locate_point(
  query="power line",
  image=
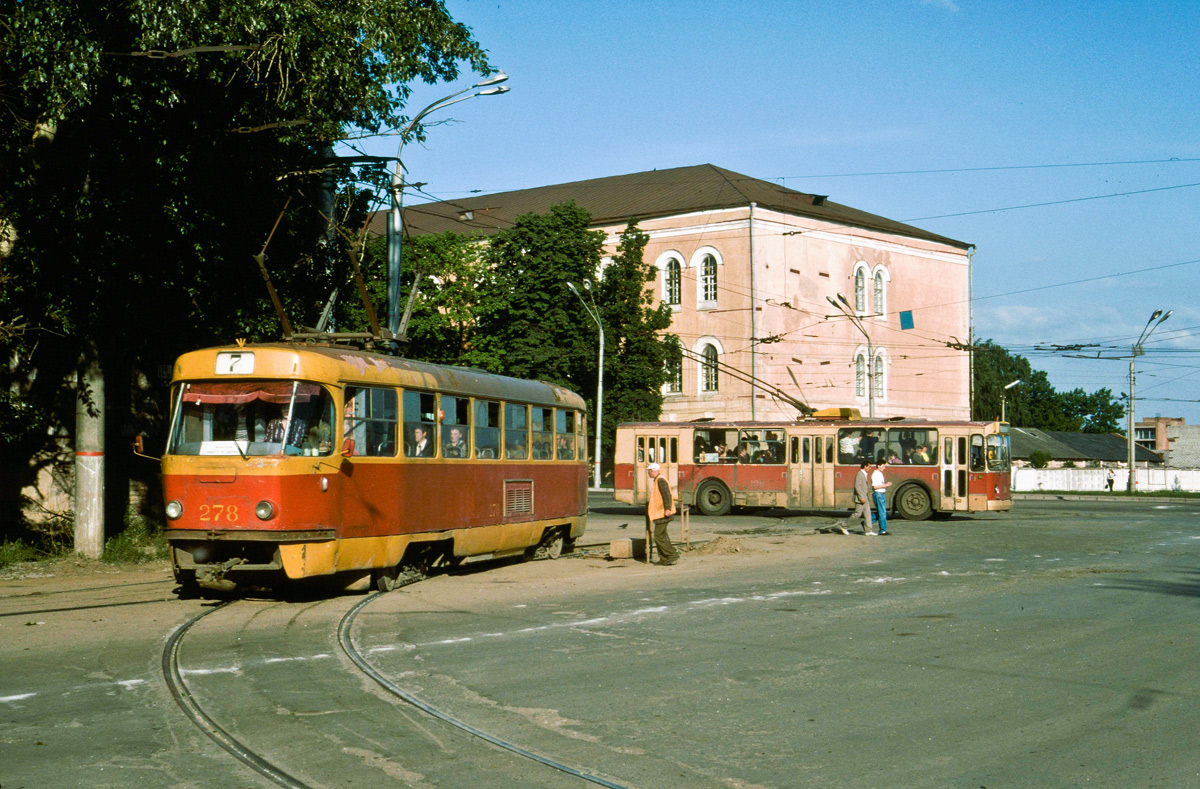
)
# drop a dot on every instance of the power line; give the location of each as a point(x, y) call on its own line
point(1052, 202)
point(992, 169)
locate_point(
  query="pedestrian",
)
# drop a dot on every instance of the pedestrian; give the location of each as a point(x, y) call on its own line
point(659, 508)
point(862, 499)
point(1110, 479)
point(879, 487)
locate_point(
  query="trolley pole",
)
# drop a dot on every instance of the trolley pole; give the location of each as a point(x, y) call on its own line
point(594, 312)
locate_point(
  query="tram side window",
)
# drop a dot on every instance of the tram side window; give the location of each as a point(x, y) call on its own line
point(516, 431)
point(369, 420)
point(542, 425)
point(564, 429)
point(311, 430)
point(912, 447)
point(420, 421)
point(581, 432)
point(456, 424)
point(641, 449)
point(487, 430)
point(976, 452)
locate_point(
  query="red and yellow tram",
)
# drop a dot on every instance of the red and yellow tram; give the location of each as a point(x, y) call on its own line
point(936, 467)
point(289, 461)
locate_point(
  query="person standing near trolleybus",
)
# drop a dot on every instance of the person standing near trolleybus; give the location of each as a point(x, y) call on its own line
point(879, 486)
point(660, 506)
point(862, 499)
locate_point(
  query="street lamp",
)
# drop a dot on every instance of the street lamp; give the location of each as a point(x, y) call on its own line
point(843, 307)
point(394, 225)
point(594, 312)
point(1137, 351)
point(1003, 394)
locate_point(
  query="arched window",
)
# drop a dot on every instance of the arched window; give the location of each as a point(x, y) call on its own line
point(880, 372)
point(708, 369)
point(674, 373)
point(860, 375)
point(672, 283)
point(860, 290)
point(708, 279)
point(880, 305)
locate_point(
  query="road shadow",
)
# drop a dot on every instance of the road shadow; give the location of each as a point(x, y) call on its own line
point(1189, 586)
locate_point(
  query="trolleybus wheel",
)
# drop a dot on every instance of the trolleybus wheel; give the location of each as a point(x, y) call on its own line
point(713, 498)
point(551, 546)
point(912, 503)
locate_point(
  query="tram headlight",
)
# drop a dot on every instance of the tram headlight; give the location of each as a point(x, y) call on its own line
point(174, 510)
point(265, 510)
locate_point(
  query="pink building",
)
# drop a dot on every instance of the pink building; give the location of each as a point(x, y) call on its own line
point(749, 268)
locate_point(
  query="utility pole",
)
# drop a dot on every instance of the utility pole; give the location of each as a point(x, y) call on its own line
point(1130, 485)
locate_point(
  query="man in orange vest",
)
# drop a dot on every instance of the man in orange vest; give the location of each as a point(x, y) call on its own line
point(659, 509)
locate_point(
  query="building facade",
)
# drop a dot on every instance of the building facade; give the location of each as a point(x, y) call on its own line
point(762, 281)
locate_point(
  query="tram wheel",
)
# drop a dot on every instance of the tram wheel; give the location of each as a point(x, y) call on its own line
point(386, 577)
point(712, 498)
point(189, 587)
point(912, 503)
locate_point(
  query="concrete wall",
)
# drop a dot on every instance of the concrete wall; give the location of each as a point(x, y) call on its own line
point(1032, 480)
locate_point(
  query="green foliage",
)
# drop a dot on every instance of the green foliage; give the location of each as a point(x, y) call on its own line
point(1034, 402)
point(136, 189)
point(1040, 458)
point(15, 551)
point(139, 542)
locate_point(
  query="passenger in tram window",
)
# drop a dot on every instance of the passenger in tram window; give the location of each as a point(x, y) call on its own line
point(514, 448)
point(565, 450)
point(421, 447)
point(456, 447)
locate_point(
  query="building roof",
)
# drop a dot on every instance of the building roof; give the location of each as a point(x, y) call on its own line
point(1062, 445)
point(656, 193)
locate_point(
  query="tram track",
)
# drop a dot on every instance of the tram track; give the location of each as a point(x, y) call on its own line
point(277, 773)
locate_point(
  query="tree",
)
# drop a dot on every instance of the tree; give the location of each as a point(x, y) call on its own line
point(637, 354)
point(136, 188)
point(1035, 403)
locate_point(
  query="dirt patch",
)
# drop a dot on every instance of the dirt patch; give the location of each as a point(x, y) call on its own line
point(718, 547)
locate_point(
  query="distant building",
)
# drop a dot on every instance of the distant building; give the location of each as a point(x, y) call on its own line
point(1152, 433)
point(748, 268)
point(1077, 450)
point(1183, 445)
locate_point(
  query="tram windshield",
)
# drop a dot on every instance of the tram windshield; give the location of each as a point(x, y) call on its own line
point(252, 418)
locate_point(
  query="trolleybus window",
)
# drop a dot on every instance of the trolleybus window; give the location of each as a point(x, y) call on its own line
point(487, 429)
point(760, 446)
point(543, 432)
point(828, 448)
point(564, 428)
point(516, 431)
point(420, 413)
point(805, 457)
point(714, 445)
point(906, 447)
point(976, 452)
point(369, 420)
point(998, 453)
point(456, 418)
point(253, 418)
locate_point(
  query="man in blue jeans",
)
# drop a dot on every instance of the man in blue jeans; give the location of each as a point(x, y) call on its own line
point(879, 488)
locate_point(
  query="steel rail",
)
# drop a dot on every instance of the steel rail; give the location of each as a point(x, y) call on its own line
point(183, 697)
point(356, 656)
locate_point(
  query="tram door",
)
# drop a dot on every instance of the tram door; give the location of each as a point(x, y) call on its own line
point(660, 449)
point(954, 473)
point(800, 472)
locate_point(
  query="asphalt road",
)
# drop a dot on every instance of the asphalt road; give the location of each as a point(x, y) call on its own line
point(1055, 646)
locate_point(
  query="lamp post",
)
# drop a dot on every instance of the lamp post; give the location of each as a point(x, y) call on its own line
point(594, 312)
point(843, 307)
point(1003, 395)
point(394, 225)
point(1137, 351)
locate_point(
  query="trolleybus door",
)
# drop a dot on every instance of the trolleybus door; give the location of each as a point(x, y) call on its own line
point(822, 472)
point(800, 472)
point(660, 449)
point(977, 486)
point(954, 473)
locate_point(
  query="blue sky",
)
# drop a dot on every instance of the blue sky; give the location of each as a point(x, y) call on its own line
point(799, 91)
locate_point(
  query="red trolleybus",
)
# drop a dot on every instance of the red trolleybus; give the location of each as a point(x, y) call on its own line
point(936, 468)
point(290, 461)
